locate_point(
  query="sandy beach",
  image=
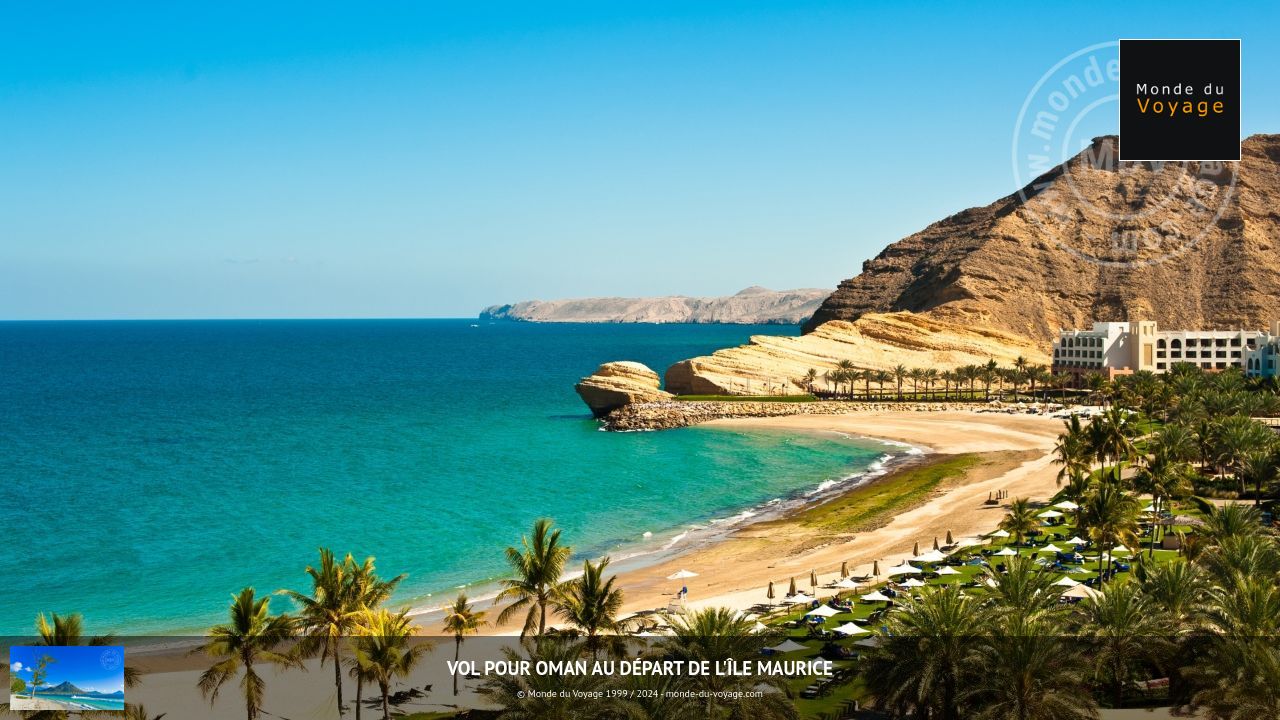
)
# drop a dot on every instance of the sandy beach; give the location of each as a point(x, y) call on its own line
point(735, 570)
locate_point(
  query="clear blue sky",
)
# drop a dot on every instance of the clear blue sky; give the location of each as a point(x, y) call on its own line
point(429, 158)
point(81, 666)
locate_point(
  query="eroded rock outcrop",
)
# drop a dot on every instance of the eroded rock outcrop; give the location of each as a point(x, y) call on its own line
point(615, 384)
point(750, 306)
point(771, 365)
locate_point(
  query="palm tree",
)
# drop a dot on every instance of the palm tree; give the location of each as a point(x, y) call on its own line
point(1235, 438)
point(339, 589)
point(1025, 670)
point(810, 378)
point(1260, 469)
point(385, 650)
point(461, 620)
point(1072, 450)
point(1125, 629)
point(1024, 586)
point(920, 665)
point(1233, 520)
point(139, 712)
point(900, 373)
point(252, 636)
point(882, 378)
point(1110, 514)
point(715, 635)
point(538, 565)
point(591, 603)
point(1020, 520)
point(1165, 480)
point(1111, 436)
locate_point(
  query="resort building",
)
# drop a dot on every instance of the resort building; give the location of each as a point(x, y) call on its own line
point(1121, 348)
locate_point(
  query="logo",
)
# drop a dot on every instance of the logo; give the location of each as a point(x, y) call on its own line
point(1076, 192)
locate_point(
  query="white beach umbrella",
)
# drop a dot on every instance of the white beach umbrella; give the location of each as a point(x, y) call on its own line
point(681, 574)
point(1067, 505)
point(799, 598)
point(1066, 582)
point(903, 569)
point(825, 611)
point(1080, 591)
point(913, 583)
point(948, 570)
point(1050, 548)
point(1077, 540)
point(848, 584)
point(999, 534)
point(787, 646)
point(849, 628)
point(1119, 549)
point(1050, 514)
point(876, 596)
point(759, 627)
point(1006, 552)
point(965, 542)
point(932, 556)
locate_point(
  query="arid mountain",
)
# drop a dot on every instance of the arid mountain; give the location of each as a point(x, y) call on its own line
point(752, 305)
point(1090, 240)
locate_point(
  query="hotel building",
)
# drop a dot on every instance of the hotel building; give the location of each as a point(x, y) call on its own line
point(1122, 348)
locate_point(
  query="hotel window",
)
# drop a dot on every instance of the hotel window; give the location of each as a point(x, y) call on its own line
point(1235, 342)
point(1222, 366)
point(1159, 353)
point(1220, 342)
point(1235, 353)
point(1191, 342)
point(1159, 366)
point(1222, 353)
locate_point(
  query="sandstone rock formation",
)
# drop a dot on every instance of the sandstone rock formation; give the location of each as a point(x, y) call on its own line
point(749, 306)
point(1021, 263)
point(615, 384)
point(770, 364)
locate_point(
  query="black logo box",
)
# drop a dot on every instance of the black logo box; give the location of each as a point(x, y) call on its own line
point(1187, 68)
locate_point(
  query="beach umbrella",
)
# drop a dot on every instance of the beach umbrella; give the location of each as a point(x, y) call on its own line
point(792, 590)
point(903, 569)
point(759, 627)
point(913, 583)
point(1081, 591)
point(825, 611)
point(932, 556)
point(1066, 582)
point(1067, 505)
point(999, 534)
point(935, 542)
point(949, 540)
point(769, 592)
point(800, 599)
point(813, 578)
point(844, 568)
point(1050, 514)
point(849, 628)
point(948, 570)
point(848, 584)
point(681, 574)
point(876, 596)
point(875, 568)
point(1006, 552)
point(1078, 541)
point(1050, 548)
point(916, 550)
point(788, 646)
point(1119, 549)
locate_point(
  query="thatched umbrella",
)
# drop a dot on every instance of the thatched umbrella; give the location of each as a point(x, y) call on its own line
point(844, 569)
point(769, 593)
point(935, 542)
point(916, 550)
point(875, 568)
point(813, 579)
point(950, 541)
point(792, 590)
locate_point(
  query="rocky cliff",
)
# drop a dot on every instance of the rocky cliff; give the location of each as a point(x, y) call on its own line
point(752, 305)
point(1188, 246)
point(770, 364)
point(615, 384)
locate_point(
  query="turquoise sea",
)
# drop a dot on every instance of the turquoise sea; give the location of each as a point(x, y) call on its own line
point(148, 470)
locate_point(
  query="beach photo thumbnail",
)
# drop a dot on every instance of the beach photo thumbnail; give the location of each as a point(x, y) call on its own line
point(72, 679)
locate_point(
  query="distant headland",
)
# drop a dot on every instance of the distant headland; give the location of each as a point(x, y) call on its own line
point(754, 305)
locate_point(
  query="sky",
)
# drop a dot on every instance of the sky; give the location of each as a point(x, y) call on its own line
point(426, 159)
point(82, 666)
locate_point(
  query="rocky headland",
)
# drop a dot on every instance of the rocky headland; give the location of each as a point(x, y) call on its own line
point(754, 305)
point(679, 413)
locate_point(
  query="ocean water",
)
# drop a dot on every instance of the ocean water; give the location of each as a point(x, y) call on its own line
point(149, 470)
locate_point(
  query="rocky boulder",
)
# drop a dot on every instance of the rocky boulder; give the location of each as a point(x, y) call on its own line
point(615, 384)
